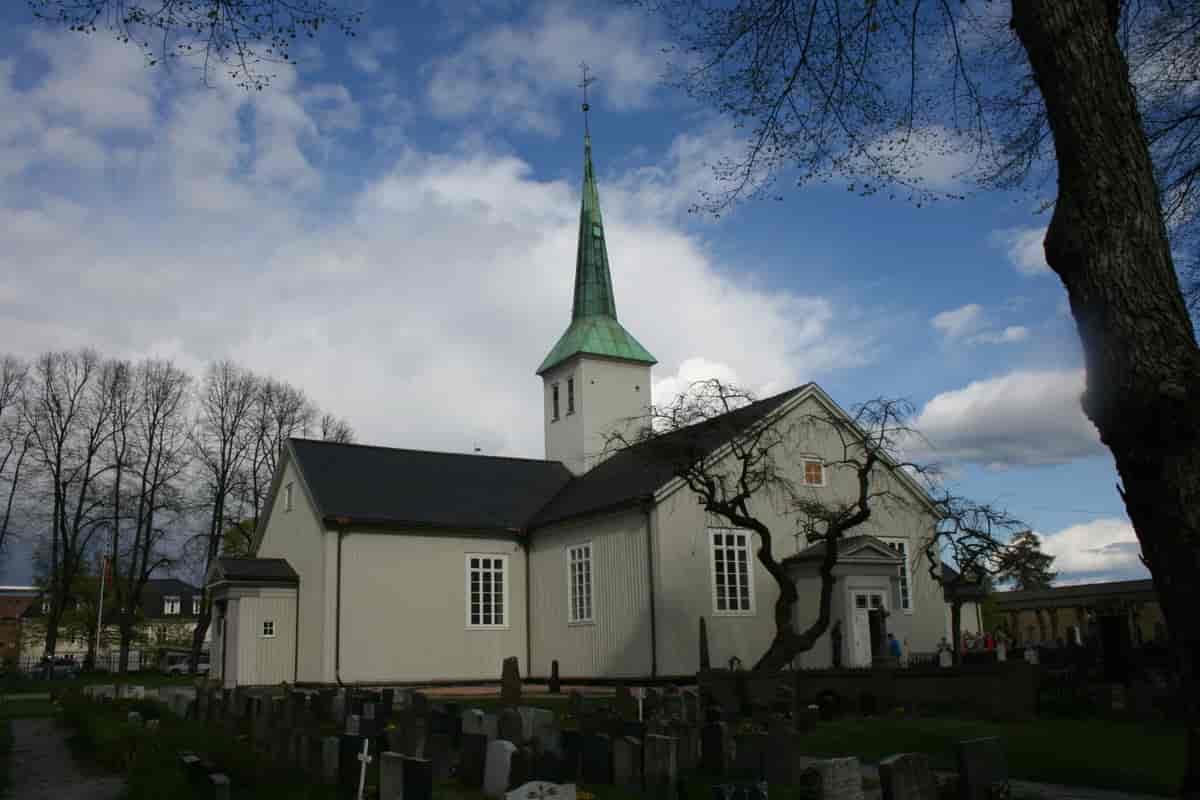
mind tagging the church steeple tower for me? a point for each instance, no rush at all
(597, 375)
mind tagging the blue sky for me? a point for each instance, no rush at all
(391, 226)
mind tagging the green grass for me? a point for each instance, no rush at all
(6, 746)
(1132, 756)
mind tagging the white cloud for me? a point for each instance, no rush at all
(1019, 419)
(418, 311)
(1023, 246)
(959, 322)
(1102, 549)
(514, 73)
(1008, 335)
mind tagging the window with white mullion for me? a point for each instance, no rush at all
(485, 591)
(579, 582)
(733, 587)
(905, 590)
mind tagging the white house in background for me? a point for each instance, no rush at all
(378, 565)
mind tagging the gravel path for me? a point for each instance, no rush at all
(43, 769)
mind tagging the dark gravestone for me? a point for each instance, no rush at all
(595, 764)
(510, 726)
(868, 704)
(555, 686)
(714, 748)
(520, 768)
(349, 765)
(572, 752)
(550, 767)
(750, 751)
(705, 660)
(418, 704)
(417, 778)
(828, 706)
(575, 704)
(907, 776)
(439, 751)
(627, 761)
(510, 682)
(982, 768)
(633, 728)
(624, 703)
(472, 759)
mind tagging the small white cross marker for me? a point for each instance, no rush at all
(365, 758)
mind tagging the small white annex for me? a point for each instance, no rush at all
(381, 565)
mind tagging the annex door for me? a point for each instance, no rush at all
(860, 626)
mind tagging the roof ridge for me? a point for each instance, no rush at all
(307, 440)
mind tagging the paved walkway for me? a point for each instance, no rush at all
(42, 767)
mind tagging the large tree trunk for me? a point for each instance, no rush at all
(1108, 243)
(956, 631)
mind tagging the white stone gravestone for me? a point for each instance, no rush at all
(541, 790)
(498, 767)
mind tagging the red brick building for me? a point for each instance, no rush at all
(14, 600)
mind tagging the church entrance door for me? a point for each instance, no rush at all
(860, 626)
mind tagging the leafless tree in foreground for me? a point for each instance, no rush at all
(1099, 94)
(243, 38)
(737, 462)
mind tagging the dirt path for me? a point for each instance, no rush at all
(43, 769)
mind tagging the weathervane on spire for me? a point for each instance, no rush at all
(583, 84)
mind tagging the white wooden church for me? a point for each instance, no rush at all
(377, 565)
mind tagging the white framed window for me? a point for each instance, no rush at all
(904, 601)
(268, 629)
(287, 497)
(733, 577)
(814, 472)
(554, 402)
(196, 605)
(579, 582)
(570, 395)
(171, 604)
(487, 591)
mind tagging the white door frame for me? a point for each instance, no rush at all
(858, 622)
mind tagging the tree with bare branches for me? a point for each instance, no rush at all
(243, 38)
(1098, 94)
(740, 464)
(68, 410)
(222, 439)
(15, 438)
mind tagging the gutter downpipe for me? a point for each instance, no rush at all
(528, 629)
(648, 510)
(342, 522)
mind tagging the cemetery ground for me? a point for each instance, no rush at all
(1108, 754)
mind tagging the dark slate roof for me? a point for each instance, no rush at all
(1081, 591)
(156, 589)
(274, 570)
(637, 472)
(423, 488)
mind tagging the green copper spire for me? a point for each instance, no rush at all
(594, 329)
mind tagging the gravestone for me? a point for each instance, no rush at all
(907, 776)
(945, 659)
(627, 761)
(330, 753)
(439, 751)
(750, 750)
(472, 760)
(714, 748)
(624, 703)
(595, 763)
(661, 766)
(417, 778)
(418, 704)
(532, 718)
(350, 750)
(691, 705)
(572, 753)
(472, 721)
(391, 776)
(510, 682)
(549, 766)
(546, 735)
(491, 726)
(521, 767)
(511, 726)
(982, 768)
(555, 685)
(498, 767)
(575, 704)
(542, 790)
(133, 718)
(839, 779)
(220, 785)
(688, 752)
